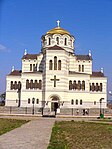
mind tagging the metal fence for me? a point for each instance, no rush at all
(46, 111)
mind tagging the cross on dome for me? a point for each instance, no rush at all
(58, 23)
(89, 52)
(25, 52)
(12, 68)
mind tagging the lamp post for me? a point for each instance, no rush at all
(42, 108)
(33, 101)
(101, 105)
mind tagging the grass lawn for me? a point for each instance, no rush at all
(104, 120)
(81, 135)
(9, 124)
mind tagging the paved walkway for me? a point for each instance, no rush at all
(33, 135)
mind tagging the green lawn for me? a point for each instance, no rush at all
(10, 124)
(81, 135)
(103, 120)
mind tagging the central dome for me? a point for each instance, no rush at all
(58, 37)
(58, 30)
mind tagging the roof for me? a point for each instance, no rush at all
(58, 30)
(94, 74)
(83, 57)
(55, 48)
(33, 72)
(30, 56)
(97, 74)
(74, 72)
(15, 73)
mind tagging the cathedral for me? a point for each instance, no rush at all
(56, 78)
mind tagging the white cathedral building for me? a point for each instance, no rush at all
(56, 77)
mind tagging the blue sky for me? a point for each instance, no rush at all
(23, 22)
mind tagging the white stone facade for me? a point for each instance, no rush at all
(56, 77)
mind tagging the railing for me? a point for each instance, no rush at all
(46, 111)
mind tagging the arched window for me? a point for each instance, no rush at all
(55, 63)
(82, 68)
(36, 84)
(27, 84)
(65, 41)
(70, 85)
(15, 85)
(28, 100)
(79, 85)
(49, 41)
(31, 84)
(76, 102)
(96, 88)
(33, 67)
(83, 85)
(50, 65)
(30, 67)
(94, 102)
(19, 85)
(37, 101)
(11, 86)
(59, 65)
(74, 85)
(33, 100)
(81, 102)
(100, 87)
(72, 102)
(93, 87)
(79, 68)
(40, 84)
(57, 40)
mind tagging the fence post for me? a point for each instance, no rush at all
(42, 111)
(26, 110)
(88, 111)
(103, 111)
(72, 111)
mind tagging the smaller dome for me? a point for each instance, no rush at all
(58, 30)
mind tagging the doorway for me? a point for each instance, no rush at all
(54, 106)
(54, 103)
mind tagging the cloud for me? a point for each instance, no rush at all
(3, 48)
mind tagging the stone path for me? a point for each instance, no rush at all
(33, 135)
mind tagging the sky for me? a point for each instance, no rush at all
(23, 22)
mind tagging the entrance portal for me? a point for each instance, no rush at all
(54, 106)
(54, 103)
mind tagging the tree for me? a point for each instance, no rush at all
(2, 96)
